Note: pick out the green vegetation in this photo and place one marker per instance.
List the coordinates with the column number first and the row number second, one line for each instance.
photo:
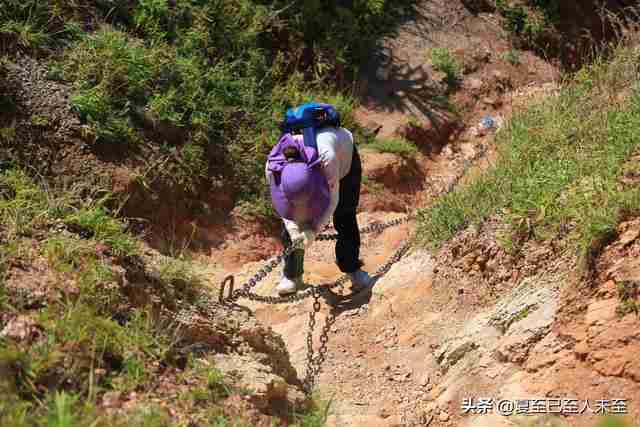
column 25, row 206
column 398, row 146
column 94, row 334
column 512, row 56
column 522, row 314
column 316, row 417
column 628, row 294
column 559, row 164
column 444, row 62
column 206, row 81
column 530, row 24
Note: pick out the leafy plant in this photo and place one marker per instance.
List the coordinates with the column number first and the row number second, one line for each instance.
column 317, row 416
column 529, row 24
column 512, row 56
column 553, row 168
column 103, row 228
column 61, row 413
column 398, row 146
column 444, row 62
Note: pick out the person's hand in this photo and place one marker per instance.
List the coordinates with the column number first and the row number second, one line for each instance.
column 295, row 236
column 309, row 237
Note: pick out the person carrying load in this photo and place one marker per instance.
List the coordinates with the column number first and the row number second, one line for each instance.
column 314, row 173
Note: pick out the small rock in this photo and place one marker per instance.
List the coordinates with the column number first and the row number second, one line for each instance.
column 489, row 101
column 112, row 399
column 425, row 380
column 629, row 236
column 21, row 328
column 475, row 84
column 581, row 350
column 385, row 411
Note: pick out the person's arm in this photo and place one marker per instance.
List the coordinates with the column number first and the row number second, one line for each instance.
column 328, row 213
column 331, row 171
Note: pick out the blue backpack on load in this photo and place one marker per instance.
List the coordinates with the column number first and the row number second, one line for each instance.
column 309, row 117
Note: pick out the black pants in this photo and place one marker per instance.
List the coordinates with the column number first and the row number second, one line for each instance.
column 345, row 223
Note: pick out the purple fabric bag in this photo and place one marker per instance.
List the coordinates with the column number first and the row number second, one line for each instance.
column 299, row 189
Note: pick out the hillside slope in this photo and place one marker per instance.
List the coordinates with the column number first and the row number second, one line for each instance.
column 132, row 137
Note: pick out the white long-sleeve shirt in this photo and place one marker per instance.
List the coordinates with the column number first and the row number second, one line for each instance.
column 335, row 149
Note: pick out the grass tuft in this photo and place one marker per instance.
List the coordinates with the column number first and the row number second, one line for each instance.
column 559, row 164
column 397, row 146
column 444, row 62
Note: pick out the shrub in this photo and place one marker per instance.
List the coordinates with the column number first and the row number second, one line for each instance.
column 401, row 147
column 512, row 56
column 444, row 62
column 532, row 24
column 559, row 164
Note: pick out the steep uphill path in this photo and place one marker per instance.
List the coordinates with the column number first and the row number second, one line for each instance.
column 381, row 366
column 402, row 91
column 379, row 361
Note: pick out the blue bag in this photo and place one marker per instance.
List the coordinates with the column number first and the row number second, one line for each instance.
column 309, row 117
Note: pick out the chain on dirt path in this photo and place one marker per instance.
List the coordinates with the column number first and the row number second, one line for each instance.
column 314, row 364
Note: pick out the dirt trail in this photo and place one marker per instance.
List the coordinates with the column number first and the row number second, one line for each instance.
column 438, row 327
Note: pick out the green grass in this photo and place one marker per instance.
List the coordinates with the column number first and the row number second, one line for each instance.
column 317, row 416
column 206, row 82
column 628, row 294
column 512, row 56
column 444, row 62
column 398, row 146
column 559, row 165
column 213, row 390
column 26, row 206
column 530, row 23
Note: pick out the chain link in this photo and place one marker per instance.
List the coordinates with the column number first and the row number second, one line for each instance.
column 314, row 364
column 245, row 290
column 372, row 228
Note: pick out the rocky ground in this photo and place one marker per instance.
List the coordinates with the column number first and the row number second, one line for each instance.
column 469, row 321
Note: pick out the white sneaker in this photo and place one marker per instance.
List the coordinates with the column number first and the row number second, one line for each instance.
column 360, row 280
column 288, row 286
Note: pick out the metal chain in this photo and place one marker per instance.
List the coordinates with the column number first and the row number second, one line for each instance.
column 244, row 292
column 372, row 228
column 314, row 366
